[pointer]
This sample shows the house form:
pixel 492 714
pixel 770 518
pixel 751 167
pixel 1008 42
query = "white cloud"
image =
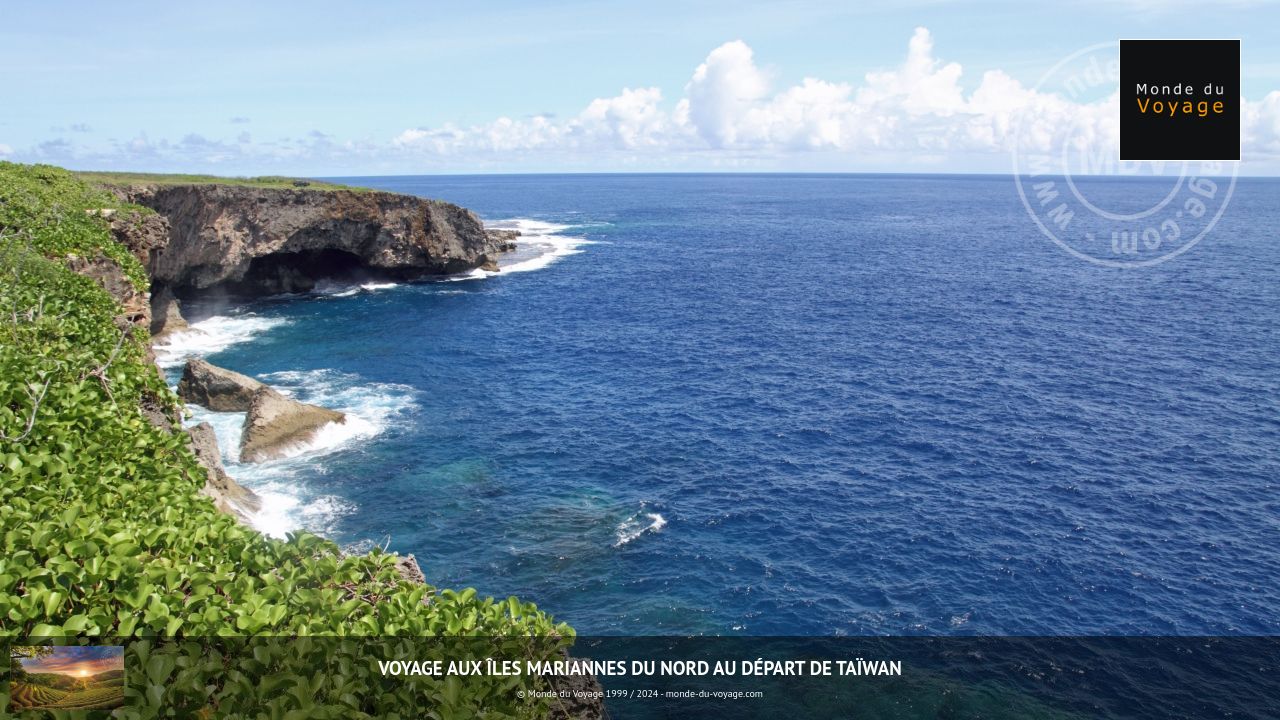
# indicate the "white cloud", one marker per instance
pixel 723 92
pixel 630 120
pixel 729 115
pixel 5 150
pixel 919 86
pixel 1261 121
pixel 915 108
pixel 812 115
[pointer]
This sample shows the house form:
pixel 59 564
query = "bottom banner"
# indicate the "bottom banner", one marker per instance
pixel 646 677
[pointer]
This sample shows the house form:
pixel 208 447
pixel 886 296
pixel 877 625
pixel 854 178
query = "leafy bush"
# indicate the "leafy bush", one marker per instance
pixel 264 181
pixel 103 532
pixel 48 209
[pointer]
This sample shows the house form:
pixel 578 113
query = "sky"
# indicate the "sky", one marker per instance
pixel 341 89
pixel 77 661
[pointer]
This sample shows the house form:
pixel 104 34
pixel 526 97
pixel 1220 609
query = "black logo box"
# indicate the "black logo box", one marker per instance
pixel 1187 68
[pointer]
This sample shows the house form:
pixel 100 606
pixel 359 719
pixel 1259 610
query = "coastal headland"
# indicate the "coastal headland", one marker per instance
pixel 122 523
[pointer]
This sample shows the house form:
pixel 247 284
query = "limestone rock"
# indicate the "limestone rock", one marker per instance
pixel 251 241
pixel 407 566
pixel 578 697
pixel 166 314
pixel 160 412
pixel 144 234
pixel 275 422
pixel 503 240
pixel 228 495
pixel 103 270
pixel 216 388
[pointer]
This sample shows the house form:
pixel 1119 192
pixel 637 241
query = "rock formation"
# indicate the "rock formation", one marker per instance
pixel 249 241
pixel 142 234
pixel 578 697
pixel 216 388
pixel 166 314
pixel 145 235
pixel 407 567
pixel 103 270
pixel 275 422
pixel 228 495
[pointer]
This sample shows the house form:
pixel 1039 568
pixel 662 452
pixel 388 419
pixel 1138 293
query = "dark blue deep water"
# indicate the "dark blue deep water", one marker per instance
pixel 809 405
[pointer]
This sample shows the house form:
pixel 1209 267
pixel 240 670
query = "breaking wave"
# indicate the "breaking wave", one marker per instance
pixel 637 525
pixel 210 336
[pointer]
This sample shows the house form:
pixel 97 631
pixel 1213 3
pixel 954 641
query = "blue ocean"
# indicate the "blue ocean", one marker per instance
pixel 796 405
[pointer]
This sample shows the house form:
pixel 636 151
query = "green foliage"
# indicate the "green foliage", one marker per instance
pixel 265 181
pixel 49 210
pixel 18 652
pixel 330 677
pixel 103 531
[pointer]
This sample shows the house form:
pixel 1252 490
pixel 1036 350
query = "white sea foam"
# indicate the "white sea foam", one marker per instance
pixel 331 288
pixel 341 289
pixel 212 335
pixel 528 226
pixel 476 274
pixel 374 403
pixel 540 244
pixel 284 510
pixel 286 503
pixel 226 425
pixel 637 525
pixel 546 242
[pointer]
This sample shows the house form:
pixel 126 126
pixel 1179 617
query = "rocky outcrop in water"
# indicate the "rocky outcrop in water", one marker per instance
pixel 250 241
pixel 216 388
pixel 274 423
pixel 228 495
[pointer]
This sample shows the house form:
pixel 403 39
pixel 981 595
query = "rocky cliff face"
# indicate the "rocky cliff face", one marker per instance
pixel 144 236
pixel 248 241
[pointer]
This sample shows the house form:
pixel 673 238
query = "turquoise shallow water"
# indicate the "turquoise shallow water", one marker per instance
pixel 801 405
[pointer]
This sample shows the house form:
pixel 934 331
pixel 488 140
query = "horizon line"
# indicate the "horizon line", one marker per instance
pixel 815 173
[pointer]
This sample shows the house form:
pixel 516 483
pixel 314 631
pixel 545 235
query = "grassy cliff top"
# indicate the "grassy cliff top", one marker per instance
pixel 277 182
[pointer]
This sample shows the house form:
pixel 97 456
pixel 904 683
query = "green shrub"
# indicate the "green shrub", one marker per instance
pixel 265 181
pixel 56 214
pixel 103 532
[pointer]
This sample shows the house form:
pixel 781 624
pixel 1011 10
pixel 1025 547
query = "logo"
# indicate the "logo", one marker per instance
pixel 1180 99
pixel 1113 210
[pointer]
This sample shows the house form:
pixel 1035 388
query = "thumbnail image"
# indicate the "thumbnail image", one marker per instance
pixel 66 678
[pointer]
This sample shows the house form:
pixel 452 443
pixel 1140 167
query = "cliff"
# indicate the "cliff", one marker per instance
pixel 247 241
pixel 250 237
pixel 108 534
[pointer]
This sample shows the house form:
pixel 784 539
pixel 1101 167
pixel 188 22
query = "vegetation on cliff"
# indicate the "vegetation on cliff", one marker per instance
pixel 265 181
pixel 43 208
pixel 103 531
